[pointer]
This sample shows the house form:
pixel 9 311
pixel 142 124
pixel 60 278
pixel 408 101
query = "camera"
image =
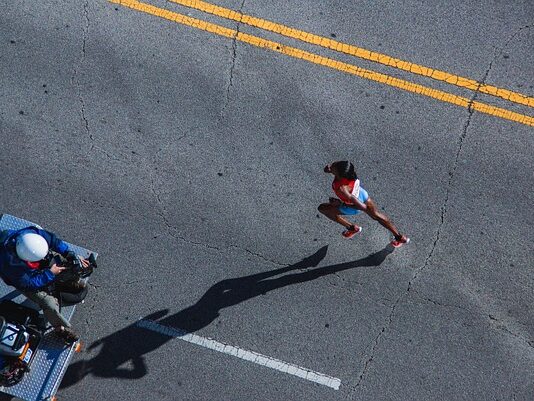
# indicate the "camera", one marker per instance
pixel 74 268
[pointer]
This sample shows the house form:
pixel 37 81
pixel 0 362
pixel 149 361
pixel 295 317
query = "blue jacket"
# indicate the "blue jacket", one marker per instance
pixel 15 271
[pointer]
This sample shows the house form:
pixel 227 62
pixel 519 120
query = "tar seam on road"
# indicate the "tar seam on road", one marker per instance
pixel 358 52
pixel 250 356
pixel 327 62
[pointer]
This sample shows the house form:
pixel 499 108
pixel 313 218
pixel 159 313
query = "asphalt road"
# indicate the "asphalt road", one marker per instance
pixel 192 163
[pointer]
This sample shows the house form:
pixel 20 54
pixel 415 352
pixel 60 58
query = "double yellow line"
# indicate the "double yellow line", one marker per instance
pixel 338 65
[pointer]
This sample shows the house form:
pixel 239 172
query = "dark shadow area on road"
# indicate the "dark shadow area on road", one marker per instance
pixel 122 352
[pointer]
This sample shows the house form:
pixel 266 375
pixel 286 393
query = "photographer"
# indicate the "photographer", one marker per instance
pixel 24 264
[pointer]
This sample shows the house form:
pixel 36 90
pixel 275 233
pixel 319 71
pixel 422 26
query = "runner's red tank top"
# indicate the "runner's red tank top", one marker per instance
pixel 354 188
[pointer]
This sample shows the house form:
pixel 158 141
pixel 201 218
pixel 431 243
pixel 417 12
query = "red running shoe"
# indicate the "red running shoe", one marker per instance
pixel 397 243
pixel 351 232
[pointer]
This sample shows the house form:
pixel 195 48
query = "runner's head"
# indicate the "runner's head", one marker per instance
pixel 343 169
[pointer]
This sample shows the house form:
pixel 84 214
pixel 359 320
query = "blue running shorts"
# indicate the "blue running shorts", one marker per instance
pixel 351 211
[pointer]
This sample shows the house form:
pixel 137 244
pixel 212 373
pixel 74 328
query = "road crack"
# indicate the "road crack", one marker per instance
pixel 502 326
pixel 234 56
pixel 443 212
pixel 461 139
pixel 173 231
pixel 76 82
pixel 496 322
pixel 75 75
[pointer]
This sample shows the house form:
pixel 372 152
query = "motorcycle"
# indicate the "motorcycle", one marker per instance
pixel 21 330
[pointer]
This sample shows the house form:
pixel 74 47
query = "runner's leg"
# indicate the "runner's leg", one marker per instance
pixel 372 211
pixel 332 212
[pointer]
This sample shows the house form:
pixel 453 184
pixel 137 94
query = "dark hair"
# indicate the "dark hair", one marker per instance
pixel 346 169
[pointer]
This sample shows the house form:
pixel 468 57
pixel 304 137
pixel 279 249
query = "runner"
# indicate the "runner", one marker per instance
pixel 353 199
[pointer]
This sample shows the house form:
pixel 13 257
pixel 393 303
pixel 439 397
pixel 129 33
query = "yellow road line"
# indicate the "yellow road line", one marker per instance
pixel 358 52
pixel 327 62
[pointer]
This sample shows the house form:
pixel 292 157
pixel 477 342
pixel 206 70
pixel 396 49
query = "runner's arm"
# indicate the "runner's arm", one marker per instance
pixel 356 203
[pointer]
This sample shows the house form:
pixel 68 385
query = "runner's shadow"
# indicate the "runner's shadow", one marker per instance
pixel 122 352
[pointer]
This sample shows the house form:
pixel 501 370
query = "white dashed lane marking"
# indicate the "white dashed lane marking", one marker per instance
pixel 250 356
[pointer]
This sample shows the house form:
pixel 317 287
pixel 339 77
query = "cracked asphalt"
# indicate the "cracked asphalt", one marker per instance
pixel 192 162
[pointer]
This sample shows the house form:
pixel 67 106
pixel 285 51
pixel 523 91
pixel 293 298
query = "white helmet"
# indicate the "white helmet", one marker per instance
pixel 31 247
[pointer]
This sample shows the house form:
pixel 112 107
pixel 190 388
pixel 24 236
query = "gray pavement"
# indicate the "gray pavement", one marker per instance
pixel 192 163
